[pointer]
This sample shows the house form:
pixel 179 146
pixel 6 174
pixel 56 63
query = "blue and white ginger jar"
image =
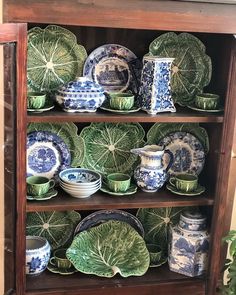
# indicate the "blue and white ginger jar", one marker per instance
pixel 189 245
pixel 151 174
pixel 155 90
pixel 37 254
pixel 82 95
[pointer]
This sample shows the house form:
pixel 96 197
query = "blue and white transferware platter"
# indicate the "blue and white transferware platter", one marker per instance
pixel 114 67
pixel 47 154
pixel 188 152
pixel 188 143
pixel 102 216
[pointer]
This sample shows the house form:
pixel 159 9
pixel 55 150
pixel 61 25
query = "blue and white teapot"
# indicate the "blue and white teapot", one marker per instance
pixel 151 174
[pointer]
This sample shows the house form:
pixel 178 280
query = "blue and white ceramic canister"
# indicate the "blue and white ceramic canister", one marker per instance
pixel 37 254
pixel 188 249
pixel 81 95
pixel 155 89
pixel 151 174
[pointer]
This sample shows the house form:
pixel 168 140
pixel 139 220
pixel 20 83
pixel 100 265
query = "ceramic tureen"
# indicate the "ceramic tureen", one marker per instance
pixel 81 95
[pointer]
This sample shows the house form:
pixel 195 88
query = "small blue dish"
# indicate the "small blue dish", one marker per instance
pixel 79 176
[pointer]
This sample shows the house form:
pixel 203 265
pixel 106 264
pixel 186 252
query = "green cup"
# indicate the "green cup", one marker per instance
pixel 185 182
pixel 155 253
pixel 207 101
pixel 118 182
pixel 121 101
pixel 60 260
pixel 36 100
pixel 38 185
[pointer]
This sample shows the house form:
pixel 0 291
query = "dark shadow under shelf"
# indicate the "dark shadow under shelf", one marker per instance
pixel 156 279
pixel 100 200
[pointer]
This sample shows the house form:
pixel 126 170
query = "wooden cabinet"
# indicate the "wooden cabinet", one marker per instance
pixel 134 24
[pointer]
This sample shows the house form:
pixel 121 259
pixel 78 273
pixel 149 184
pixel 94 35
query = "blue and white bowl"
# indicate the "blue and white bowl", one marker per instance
pixel 37 254
pixel 82 95
pixel 80 177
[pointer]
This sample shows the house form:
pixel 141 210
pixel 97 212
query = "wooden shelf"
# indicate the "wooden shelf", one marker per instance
pixel 100 200
pixel 139 14
pixel 181 115
pixel 159 281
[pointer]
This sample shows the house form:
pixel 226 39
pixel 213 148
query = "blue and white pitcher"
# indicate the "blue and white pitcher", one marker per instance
pixel 155 90
pixel 151 174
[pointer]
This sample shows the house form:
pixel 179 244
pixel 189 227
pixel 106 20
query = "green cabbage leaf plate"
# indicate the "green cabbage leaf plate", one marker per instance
pixel 191 68
pixel 110 248
pixel 54 58
pixel 108 145
pixel 56 227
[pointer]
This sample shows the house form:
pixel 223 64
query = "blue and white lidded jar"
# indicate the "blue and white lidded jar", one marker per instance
pixel 37 254
pixel 189 245
pixel 155 90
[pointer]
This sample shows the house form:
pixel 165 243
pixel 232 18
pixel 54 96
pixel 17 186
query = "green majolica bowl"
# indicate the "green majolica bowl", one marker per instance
pixel 36 100
pixel 121 101
pixel 207 101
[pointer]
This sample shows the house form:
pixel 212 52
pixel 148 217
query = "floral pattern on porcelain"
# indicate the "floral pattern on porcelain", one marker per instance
pixel 188 251
pixel 37 259
pixel 151 175
pixel 155 90
pixel 82 95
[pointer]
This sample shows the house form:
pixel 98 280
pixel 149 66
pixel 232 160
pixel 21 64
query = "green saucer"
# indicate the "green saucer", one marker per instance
pixel 106 107
pixel 162 261
pixel 48 106
pixel 132 190
pixel 200 189
pixel 61 271
pixel 50 194
pixel 195 108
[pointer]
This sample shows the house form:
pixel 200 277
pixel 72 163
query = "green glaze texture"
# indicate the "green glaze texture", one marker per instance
pixel 107 146
pixel 156 222
pixel 38 185
pixel 207 101
pixel 118 182
pixel 155 253
pixel 185 182
pixel 54 58
pixel 60 260
pixel 191 69
pixel 121 101
pixel 56 227
pixel 35 100
pixel 110 248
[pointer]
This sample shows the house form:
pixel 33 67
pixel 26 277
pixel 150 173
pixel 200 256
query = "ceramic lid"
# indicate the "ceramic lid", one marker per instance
pixel 81 85
pixel 192 220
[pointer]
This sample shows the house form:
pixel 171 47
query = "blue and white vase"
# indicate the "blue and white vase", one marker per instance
pixel 37 254
pixel 189 245
pixel 151 174
pixel 155 89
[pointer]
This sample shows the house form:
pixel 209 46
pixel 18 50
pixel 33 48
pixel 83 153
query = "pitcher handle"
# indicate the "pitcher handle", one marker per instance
pixel 171 160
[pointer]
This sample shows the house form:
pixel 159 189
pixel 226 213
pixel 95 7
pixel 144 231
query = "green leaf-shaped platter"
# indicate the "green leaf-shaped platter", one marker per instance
pixel 56 227
pixel 54 58
pixel 191 69
pixel 108 145
pixel 68 133
pixel 156 222
pixel 110 248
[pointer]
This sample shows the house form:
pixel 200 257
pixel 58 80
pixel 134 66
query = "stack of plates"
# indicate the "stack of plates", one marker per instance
pixel 80 182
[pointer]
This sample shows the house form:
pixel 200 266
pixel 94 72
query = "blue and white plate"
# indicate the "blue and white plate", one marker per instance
pixel 47 154
pixel 188 152
pixel 102 216
pixel 114 67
